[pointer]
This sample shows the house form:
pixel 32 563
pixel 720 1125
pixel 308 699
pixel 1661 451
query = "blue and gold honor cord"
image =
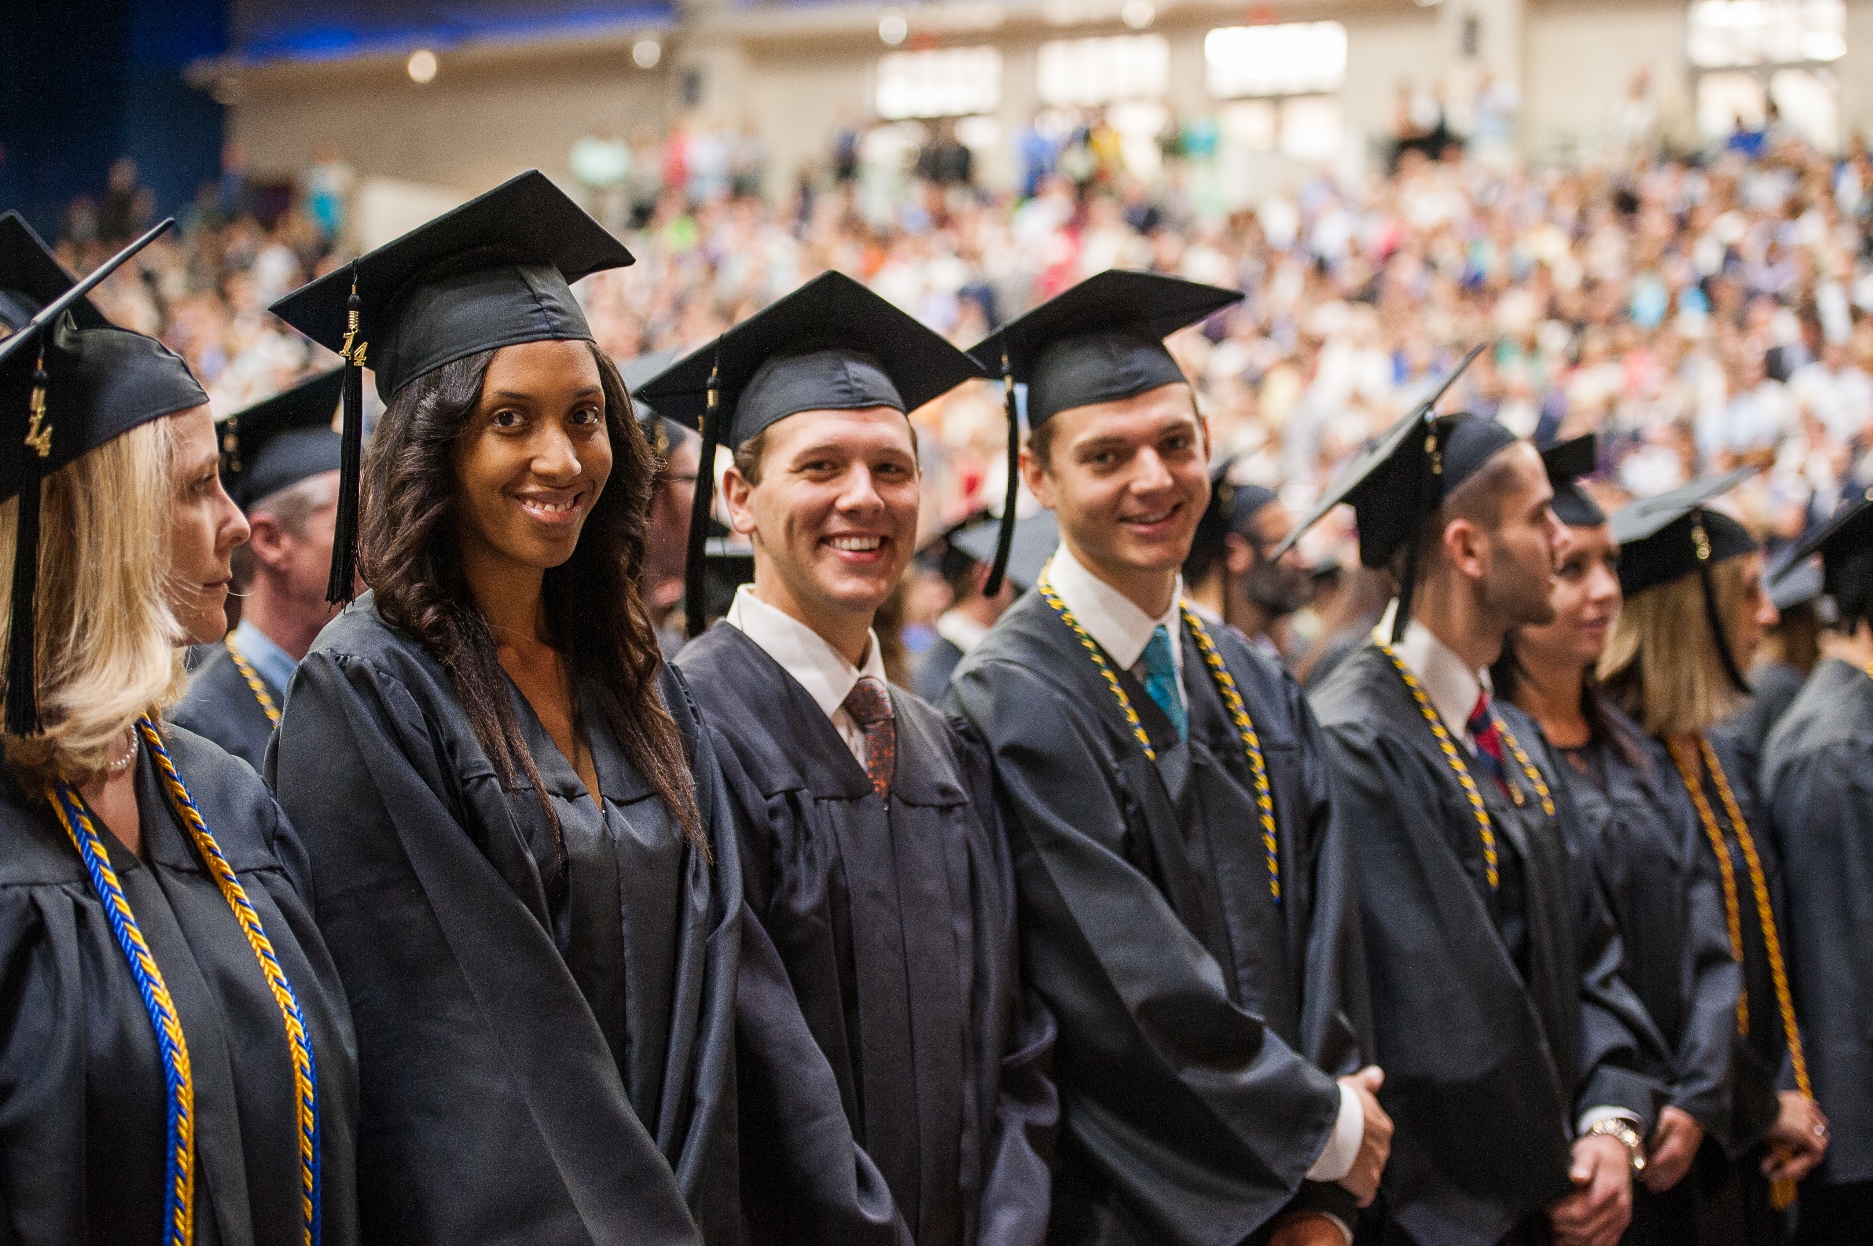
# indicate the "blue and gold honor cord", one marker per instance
pixel 1447 745
pixel 1232 701
pixel 254 682
pixel 179 1167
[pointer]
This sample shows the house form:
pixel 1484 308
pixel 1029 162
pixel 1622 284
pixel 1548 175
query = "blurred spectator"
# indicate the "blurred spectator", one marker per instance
pixel 127 207
pixel 328 184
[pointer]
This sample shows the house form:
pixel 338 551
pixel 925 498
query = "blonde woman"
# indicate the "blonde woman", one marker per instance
pixel 176 1060
pixel 1695 613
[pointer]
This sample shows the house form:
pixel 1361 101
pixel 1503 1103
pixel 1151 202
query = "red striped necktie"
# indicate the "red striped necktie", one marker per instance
pixel 1489 751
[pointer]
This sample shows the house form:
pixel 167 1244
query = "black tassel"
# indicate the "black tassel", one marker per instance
pixel 696 558
pixel 1724 653
pixel 339 586
pixel 22 693
pixel 1427 486
pixel 1005 540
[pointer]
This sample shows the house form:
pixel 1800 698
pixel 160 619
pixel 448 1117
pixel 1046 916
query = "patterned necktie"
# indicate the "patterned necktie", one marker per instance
pixel 1489 752
pixel 1161 680
pixel 870 707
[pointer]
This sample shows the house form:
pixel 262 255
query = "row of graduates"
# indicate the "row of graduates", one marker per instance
pixel 538 938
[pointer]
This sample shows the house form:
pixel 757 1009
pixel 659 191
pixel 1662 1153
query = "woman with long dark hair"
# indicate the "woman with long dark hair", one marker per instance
pixel 176 1062
pixel 1694 615
pixel 1659 881
pixel 509 808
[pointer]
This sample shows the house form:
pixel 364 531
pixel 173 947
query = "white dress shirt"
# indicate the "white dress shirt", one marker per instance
pixel 1123 631
pixel 1110 618
pixel 1453 688
pixel 814 664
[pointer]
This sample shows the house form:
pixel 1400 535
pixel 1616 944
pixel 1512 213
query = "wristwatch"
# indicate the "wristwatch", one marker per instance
pixel 1621 1128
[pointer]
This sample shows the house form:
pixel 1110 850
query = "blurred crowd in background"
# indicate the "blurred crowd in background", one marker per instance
pixel 1697 311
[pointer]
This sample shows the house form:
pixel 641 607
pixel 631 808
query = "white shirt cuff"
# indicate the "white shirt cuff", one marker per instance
pixel 1593 1116
pixel 1336 1158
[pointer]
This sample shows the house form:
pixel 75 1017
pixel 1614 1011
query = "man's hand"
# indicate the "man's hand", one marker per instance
pixel 1797 1140
pixel 1375 1141
pixel 1307 1228
pixel 1674 1145
pixel 1600 1207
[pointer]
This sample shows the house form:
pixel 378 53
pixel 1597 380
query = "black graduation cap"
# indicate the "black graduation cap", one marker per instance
pixel 831 345
pixel 31 276
pixel 1796 582
pixel 1845 543
pixel 1101 341
pixel 1395 483
pixel 661 433
pixel 1566 462
pixel 1675 534
pixel 282 441
pixel 495 272
pixel 83 388
pixel 1232 508
pixel 1035 539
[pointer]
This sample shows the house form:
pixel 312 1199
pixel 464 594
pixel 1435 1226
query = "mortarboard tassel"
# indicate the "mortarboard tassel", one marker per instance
pixel 1004 542
pixel 338 588
pixel 696 562
pixel 1701 543
pixel 1427 482
pixel 22 693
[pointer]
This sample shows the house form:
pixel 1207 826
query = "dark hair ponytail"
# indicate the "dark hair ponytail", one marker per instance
pixel 594 616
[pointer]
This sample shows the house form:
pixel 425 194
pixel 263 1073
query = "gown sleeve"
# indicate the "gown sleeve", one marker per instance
pixel 42 1072
pixel 1186 1104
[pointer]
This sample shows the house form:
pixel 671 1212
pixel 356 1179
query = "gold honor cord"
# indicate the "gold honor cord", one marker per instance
pixel 1688 752
pixel 254 682
pixel 1448 747
pixel 1232 701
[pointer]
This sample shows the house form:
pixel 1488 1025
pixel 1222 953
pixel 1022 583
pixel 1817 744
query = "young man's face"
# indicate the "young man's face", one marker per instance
pixel 834 516
pixel 1128 480
pixel 1519 576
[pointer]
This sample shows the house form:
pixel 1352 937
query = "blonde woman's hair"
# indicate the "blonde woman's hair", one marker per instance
pixel 1661 664
pixel 106 635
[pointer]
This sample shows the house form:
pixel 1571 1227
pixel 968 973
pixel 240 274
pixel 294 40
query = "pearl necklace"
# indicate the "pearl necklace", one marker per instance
pixel 117 765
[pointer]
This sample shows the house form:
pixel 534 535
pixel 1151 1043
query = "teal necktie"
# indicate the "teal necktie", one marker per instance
pixel 1161 680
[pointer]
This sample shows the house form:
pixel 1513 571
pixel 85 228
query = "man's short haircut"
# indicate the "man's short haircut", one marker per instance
pixel 1480 499
pixel 748 454
pixel 294 506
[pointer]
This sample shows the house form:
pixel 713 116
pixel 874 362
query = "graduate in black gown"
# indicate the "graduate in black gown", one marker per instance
pixel 1179 855
pixel 1229 569
pixel 1790 651
pixel 279 462
pixel 1695 610
pixel 1815 777
pixel 1642 837
pixel 970 614
pixel 514 821
pixel 1513 1052
pixel 872 849
pixel 176 1060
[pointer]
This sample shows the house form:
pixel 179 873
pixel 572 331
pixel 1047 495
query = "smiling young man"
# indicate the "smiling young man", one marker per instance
pixel 1512 1044
pixel 881 999
pixel 279 462
pixel 1186 910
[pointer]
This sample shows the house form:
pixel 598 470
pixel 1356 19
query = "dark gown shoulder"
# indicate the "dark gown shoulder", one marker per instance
pixel 82 1098
pixel 1817 781
pixel 544 1005
pixel 934 667
pixel 221 706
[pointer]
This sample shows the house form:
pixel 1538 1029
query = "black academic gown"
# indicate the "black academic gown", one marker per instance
pixel 934 667
pixel 1775 685
pixel 221 706
pixel 1818 771
pixel 1201 1024
pixel 82 1096
pixel 895 928
pixel 1660 883
pixel 545 1032
pixel 1500 1015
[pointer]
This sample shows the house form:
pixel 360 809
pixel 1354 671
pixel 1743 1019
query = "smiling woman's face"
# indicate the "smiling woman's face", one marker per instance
pixel 205 526
pixel 534 456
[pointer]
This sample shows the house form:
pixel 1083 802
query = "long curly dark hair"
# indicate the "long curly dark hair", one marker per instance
pixel 594 616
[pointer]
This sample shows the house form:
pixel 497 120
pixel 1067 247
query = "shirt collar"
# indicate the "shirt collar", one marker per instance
pixel 1451 686
pixel 271 662
pixel 1109 616
pixel 960 630
pixel 802 652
